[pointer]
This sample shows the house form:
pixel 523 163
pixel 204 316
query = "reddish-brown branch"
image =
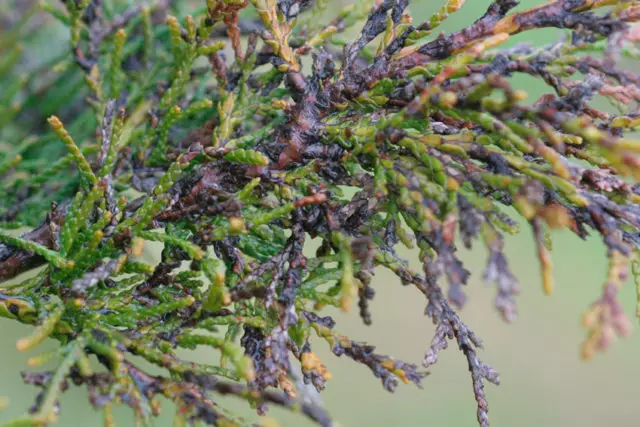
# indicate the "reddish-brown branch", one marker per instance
pixel 559 14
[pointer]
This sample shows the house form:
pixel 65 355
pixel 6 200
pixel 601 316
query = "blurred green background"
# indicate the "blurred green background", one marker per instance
pixel 544 381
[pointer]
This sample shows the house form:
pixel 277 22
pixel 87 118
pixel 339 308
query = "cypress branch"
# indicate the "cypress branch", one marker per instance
pixel 238 137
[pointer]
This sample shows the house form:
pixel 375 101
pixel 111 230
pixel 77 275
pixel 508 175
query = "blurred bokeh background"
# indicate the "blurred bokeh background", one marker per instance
pixel 544 381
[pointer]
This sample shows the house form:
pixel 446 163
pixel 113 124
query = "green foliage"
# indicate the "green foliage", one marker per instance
pixel 233 136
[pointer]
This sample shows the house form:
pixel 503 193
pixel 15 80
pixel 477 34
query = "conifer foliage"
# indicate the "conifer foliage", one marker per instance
pixel 237 134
